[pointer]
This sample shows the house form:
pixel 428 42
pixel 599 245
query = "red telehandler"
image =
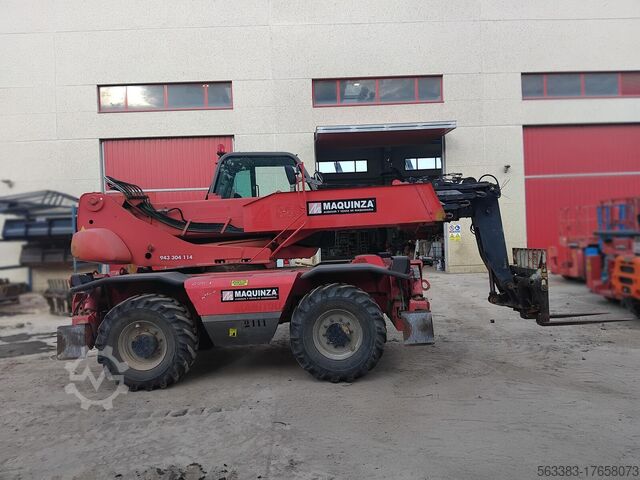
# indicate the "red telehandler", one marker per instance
pixel 203 273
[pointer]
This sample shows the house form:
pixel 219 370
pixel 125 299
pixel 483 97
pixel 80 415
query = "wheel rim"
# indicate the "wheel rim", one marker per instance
pixel 337 334
pixel 142 345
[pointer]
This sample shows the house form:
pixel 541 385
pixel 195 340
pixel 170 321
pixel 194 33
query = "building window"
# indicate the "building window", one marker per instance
pixel 532 86
pixel 601 84
pixel 424 163
pixel 185 96
pixel 580 85
pixel 343 166
pixel 564 85
pixel 377 91
pixel 397 90
pixel 144 97
pixel 358 91
pixel 430 89
pixel 325 92
pixel 171 96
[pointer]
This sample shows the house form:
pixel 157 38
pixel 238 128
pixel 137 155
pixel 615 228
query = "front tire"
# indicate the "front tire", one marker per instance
pixel 337 333
pixel 149 341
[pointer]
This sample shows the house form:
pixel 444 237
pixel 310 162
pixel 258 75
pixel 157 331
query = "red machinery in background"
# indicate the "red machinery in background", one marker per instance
pixel 626 280
pixel 576 227
pixel 600 245
pixel 611 263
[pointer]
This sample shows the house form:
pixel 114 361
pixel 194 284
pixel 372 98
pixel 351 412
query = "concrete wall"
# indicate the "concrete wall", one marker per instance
pixel 54 53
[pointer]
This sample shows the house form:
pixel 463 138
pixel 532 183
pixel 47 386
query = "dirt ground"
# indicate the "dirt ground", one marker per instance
pixel 490 400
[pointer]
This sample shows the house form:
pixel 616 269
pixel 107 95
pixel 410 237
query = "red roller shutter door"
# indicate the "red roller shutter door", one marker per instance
pixel 572 166
pixel 169 169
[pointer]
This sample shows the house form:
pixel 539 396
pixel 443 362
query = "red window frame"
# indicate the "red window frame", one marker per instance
pixel 376 101
pixel 165 107
pixel 582 94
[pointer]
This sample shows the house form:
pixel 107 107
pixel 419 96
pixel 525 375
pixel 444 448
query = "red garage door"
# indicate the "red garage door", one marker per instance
pixel 573 166
pixel 169 169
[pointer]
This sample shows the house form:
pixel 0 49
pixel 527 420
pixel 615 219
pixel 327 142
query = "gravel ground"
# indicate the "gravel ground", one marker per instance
pixel 490 400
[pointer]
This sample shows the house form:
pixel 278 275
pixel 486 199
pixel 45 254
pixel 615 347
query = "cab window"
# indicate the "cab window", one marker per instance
pixel 270 179
pixel 242 185
pixel 246 177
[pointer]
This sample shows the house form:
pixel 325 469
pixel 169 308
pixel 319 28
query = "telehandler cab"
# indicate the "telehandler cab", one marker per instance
pixel 203 273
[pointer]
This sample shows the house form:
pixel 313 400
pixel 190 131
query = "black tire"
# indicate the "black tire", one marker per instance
pixel 173 323
pixel 632 305
pixel 360 307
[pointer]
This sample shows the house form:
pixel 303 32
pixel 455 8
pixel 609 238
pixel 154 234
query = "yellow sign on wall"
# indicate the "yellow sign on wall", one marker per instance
pixel 455 232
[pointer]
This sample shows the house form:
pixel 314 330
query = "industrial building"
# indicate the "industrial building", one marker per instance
pixel 544 95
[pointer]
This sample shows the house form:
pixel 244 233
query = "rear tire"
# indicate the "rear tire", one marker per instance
pixel 337 333
pixel 632 305
pixel 147 341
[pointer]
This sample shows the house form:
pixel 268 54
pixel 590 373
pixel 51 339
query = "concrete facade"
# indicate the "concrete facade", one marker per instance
pixel 54 54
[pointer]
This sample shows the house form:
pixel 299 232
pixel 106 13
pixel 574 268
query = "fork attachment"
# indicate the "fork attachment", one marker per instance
pixel 523 285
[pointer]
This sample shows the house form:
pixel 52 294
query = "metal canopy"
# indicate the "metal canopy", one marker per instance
pixel 381 135
pixel 43 215
pixel 39 203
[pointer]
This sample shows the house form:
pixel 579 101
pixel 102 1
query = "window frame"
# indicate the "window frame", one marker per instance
pixel 582 95
pixel 222 173
pixel 436 161
pixel 351 160
pixel 377 101
pixel 165 108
